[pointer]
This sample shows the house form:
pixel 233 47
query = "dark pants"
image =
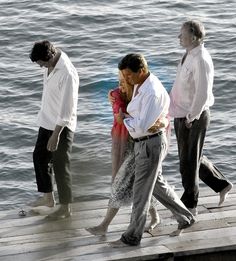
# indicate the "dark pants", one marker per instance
pixel 60 160
pixel 192 164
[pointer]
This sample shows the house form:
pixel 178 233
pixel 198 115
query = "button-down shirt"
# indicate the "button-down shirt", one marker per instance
pixel 150 103
pixel 192 90
pixel 60 96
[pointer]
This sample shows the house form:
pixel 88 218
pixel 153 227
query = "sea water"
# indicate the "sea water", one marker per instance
pixel 96 35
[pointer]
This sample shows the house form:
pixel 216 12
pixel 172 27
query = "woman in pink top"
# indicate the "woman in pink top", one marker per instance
pixel 119 133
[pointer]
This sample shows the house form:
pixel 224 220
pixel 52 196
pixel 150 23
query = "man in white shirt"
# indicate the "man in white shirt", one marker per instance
pixel 191 97
pixel 149 103
pixel 57 120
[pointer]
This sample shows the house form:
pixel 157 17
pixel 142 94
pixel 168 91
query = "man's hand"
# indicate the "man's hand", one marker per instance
pixel 54 139
pixel 188 124
pixel 160 123
pixel 53 142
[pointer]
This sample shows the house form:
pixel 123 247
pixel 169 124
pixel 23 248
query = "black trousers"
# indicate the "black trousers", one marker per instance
pixel 60 160
pixel 193 165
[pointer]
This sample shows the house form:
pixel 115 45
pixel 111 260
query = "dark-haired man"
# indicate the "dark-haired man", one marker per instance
pixel 57 120
pixel 149 103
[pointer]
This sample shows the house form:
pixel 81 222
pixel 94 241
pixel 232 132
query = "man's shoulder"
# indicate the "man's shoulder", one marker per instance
pixel 202 59
pixel 156 85
pixel 65 61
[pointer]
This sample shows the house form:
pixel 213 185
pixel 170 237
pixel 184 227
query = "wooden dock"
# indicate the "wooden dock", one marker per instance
pixel 33 238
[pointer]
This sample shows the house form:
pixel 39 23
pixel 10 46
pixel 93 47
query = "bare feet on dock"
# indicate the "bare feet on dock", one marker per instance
pixel 181 228
pixel 117 244
pixel 193 211
pixel 97 230
pixel 47 200
pixel 155 220
pixel 64 211
pixel 224 193
pixel 153 224
pixel 176 233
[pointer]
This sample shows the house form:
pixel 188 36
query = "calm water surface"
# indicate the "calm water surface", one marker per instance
pixel 96 34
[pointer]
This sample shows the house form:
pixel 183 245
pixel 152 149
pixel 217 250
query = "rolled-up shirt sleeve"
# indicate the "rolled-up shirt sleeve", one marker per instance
pixel 68 102
pixel 151 108
pixel 202 84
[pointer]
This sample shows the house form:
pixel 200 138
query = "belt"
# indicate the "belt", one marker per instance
pixel 148 137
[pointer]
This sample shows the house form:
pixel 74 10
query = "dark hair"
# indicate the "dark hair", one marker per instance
pixel 43 50
pixel 196 28
pixel 134 62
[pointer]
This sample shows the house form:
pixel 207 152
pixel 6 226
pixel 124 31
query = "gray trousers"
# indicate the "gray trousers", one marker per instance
pixel 61 164
pixel 149 155
pixel 193 165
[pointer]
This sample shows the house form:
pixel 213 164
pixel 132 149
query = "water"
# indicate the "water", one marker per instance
pixel 95 35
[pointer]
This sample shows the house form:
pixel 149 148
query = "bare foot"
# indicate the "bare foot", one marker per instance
pixel 43 202
pixel 176 233
pixel 97 231
pixel 152 225
pixel 224 193
pixel 64 211
pixel 181 228
pixel 117 244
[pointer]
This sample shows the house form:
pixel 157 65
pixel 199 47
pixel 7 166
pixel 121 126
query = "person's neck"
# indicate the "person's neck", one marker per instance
pixel 55 59
pixel 143 79
pixel 192 46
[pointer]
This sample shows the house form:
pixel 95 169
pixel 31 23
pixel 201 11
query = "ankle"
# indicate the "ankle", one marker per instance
pixel 65 207
pixel 49 196
pixel 103 226
pixel 153 214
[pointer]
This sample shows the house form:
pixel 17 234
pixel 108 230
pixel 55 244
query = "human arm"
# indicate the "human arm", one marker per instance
pixel 203 73
pixel 160 123
pixel 121 116
pixel 111 99
pixel 67 104
pixel 118 106
pixel 54 139
pixel 150 108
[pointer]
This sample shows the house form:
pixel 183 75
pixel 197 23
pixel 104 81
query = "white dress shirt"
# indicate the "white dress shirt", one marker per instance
pixel 60 96
pixel 192 90
pixel 151 102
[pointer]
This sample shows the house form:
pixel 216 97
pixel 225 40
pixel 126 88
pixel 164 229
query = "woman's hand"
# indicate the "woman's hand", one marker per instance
pixel 121 116
pixel 111 99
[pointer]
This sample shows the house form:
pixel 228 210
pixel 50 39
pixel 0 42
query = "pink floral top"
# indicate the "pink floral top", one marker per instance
pixel 118 130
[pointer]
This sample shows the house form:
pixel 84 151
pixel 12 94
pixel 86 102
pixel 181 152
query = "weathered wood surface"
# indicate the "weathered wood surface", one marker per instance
pixel 34 238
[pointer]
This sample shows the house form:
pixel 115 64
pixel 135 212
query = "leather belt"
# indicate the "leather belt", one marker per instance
pixel 148 137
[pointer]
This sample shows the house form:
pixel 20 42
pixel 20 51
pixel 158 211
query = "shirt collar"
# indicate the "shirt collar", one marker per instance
pixel 196 49
pixel 145 84
pixel 61 61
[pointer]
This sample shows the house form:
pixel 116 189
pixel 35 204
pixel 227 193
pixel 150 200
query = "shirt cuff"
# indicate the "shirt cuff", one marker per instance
pixel 188 118
pixel 127 124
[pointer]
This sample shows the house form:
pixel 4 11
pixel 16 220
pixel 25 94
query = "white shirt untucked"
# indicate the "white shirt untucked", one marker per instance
pixel 151 103
pixel 60 96
pixel 192 90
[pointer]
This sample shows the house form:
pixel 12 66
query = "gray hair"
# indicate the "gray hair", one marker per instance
pixel 196 28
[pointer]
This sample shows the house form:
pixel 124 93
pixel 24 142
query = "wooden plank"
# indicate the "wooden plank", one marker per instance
pixel 151 247
pixel 35 238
